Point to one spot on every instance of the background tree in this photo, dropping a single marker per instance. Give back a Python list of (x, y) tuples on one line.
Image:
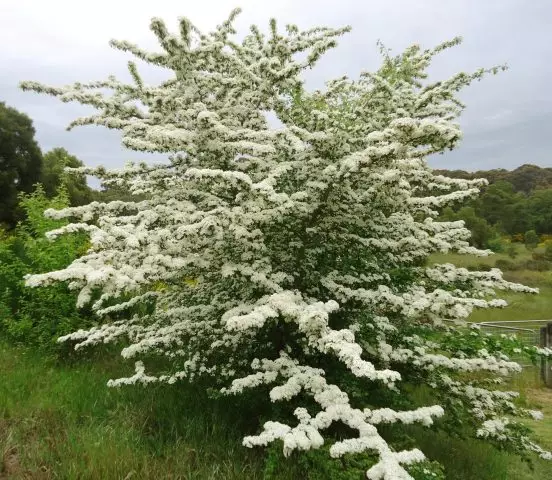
[(529, 177), (20, 160), (531, 239), (524, 178), (496, 204), (539, 210), (54, 176), (515, 201), (481, 231)]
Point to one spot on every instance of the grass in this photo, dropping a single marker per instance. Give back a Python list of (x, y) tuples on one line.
[(522, 254), (521, 306), (60, 421), (541, 399)]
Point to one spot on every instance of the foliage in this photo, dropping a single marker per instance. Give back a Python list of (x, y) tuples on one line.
[(531, 239), (54, 176), (308, 245), (525, 178), (38, 317), (482, 234), (20, 160), (507, 208), (539, 206)]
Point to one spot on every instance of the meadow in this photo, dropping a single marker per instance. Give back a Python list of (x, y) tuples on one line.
[(58, 420), (520, 305)]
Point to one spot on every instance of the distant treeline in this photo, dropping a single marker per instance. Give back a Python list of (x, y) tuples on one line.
[(514, 203), (523, 179)]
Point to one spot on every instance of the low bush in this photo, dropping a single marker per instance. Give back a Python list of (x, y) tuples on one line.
[(497, 244), (539, 265), (507, 265), (37, 317)]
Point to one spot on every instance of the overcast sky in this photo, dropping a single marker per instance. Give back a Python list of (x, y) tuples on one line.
[(508, 121)]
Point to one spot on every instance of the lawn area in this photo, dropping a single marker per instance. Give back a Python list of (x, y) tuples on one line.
[(472, 261), (521, 306)]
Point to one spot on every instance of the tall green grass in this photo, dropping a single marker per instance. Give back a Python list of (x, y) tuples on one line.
[(61, 421)]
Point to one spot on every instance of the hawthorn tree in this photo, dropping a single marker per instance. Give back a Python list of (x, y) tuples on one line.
[(293, 260)]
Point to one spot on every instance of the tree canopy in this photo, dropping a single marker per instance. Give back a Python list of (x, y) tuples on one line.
[(514, 201), (524, 178), (20, 160), (54, 176)]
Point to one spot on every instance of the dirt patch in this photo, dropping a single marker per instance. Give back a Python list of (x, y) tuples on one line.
[(10, 463)]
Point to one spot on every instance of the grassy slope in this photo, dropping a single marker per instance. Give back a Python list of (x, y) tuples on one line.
[(521, 306), (61, 422)]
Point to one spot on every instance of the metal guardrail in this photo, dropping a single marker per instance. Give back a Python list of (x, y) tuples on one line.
[(529, 334)]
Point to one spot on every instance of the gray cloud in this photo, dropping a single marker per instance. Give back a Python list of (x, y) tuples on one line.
[(507, 123)]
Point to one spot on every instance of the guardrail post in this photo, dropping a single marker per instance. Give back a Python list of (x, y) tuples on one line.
[(542, 343), (546, 364)]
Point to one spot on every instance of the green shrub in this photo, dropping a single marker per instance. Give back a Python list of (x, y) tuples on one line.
[(512, 250), (497, 244), (30, 316), (531, 239), (538, 265)]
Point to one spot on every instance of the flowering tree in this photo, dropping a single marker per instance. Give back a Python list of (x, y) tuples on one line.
[(292, 257)]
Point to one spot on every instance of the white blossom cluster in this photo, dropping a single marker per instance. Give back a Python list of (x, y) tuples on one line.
[(255, 252)]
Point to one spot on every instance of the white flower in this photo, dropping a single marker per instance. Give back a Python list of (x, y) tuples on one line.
[(536, 414)]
